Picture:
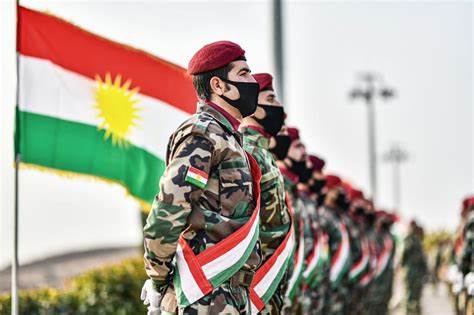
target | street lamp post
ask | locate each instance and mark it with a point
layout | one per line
(396, 155)
(372, 87)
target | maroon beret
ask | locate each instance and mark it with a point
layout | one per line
(318, 163)
(264, 80)
(214, 56)
(293, 133)
(333, 181)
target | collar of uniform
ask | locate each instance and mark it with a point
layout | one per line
(222, 116)
(256, 135)
(288, 174)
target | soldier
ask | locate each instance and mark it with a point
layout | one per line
(414, 261)
(307, 206)
(291, 159)
(316, 273)
(360, 251)
(210, 189)
(466, 261)
(366, 281)
(382, 284)
(332, 222)
(257, 130)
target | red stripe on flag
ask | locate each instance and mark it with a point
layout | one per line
(48, 37)
(256, 300)
(198, 171)
(194, 267)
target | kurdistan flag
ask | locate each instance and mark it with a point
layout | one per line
(91, 106)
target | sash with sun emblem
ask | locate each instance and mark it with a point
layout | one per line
(91, 106)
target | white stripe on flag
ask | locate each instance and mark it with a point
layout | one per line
(48, 89)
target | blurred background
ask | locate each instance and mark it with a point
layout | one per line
(423, 50)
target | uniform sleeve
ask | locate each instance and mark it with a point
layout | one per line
(167, 218)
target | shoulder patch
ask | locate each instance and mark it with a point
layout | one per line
(196, 177)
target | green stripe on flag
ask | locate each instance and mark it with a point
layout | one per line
(80, 148)
(195, 182)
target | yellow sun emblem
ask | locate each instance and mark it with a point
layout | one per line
(117, 108)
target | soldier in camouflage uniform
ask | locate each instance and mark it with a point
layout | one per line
(382, 284)
(414, 261)
(210, 210)
(358, 235)
(331, 214)
(466, 259)
(318, 285)
(257, 131)
(288, 148)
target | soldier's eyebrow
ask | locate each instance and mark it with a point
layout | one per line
(244, 69)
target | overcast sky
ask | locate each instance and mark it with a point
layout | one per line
(422, 49)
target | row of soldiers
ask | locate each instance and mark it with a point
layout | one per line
(247, 222)
(461, 271)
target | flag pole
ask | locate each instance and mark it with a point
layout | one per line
(15, 265)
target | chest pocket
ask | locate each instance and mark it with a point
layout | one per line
(274, 211)
(235, 188)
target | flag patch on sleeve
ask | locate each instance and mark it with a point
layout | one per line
(196, 177)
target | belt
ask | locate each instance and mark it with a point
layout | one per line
(242, 278)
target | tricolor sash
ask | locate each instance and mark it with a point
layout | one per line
(197, 275)
(267, 278)
(368, 276)
(339, 263)
(317, 258)
(359, 267)
(297, 274)
(384, 258)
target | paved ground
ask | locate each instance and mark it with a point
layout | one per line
(436, 301)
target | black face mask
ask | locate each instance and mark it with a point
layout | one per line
(247, 102)
(300, 169)
(342, 203)
(321, 199)
(359, 211)
(282, 146)
(273, 120)
(318, 185)
(370, 219)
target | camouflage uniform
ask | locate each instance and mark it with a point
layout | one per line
(382, 286)
(207, 141)
(291, 180)
(275, 218)
(316, 292)
(338, 293)
(414, 260)
(466, 259)
(356, 233)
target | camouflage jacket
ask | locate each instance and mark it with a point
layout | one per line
(356, 232)
(466, 262)
(207, 141)
(308, 209)
(329, 220)
(275, 218)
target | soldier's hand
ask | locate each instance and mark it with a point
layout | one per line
(469, 283)
(151, 297)
(452, 273)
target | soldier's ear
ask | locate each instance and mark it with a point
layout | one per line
(217, 86)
